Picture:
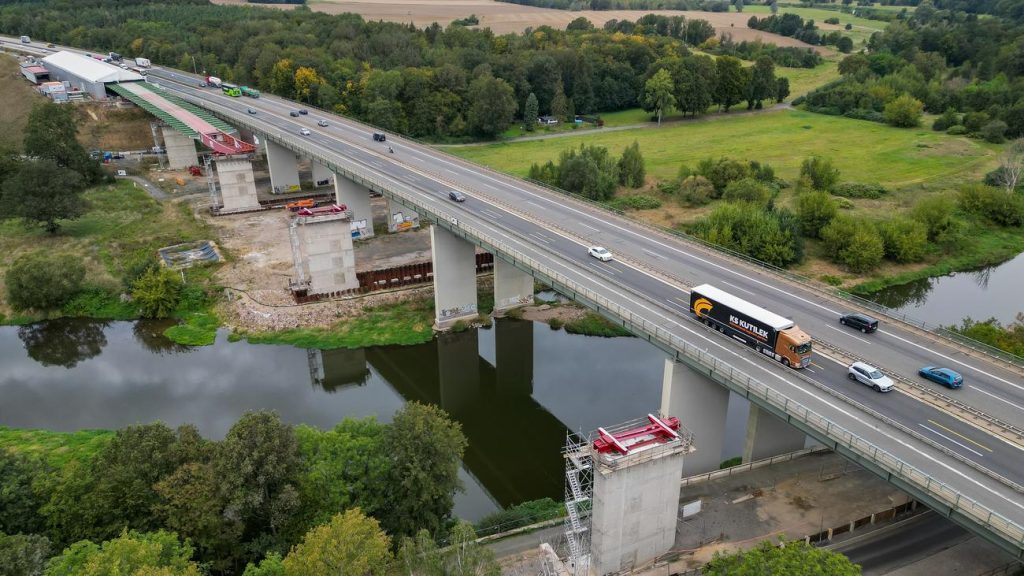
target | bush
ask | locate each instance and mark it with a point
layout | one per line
(696, 190)
(996, 205)
(863, 252)
(974, 121)
(949, 118)
(750, 191)
(957, 130)
(43, 282)
(904, 111)
(520, 515)
(631, 167)
(832, 20)
(822, 174)
(865, 114)
(157, 293)
(903, 239)
(815, 209)
(859, 190)
(937, 213)
(635, 202)
(772, 237)
(994, 131)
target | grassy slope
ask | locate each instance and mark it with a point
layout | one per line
(862, 27)
(17, 97)
(895, 157)
(57, 448)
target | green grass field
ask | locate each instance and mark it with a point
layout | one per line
(863, 151)
(862, 27)
(56, 448)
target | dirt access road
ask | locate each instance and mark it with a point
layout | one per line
(504, 18)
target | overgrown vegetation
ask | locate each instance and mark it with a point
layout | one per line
(593, 324)
(1008, 338)
(520, 515)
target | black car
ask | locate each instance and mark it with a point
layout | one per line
(303, 111)
(379, 137)
(294, 113)
(457, 196)
(861, 322)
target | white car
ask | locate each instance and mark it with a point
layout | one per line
(304, 131)
(870, 376)
(600, 253)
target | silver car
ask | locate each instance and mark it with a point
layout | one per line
(870, 376)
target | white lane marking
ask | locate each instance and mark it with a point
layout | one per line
(937, 433)
(649, 253)
(534, 203)
(999, 398)
(673, 302)
(738, 288)
(588, 226)
(539, 238)
(847, 333)
(490, 213)
(539, 235)
(607, 269)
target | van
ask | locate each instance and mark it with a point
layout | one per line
(861, 322)
(26, 40)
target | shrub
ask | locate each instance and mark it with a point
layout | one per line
(994, 131)
(556, 323)
(904, 111)
(635, 202)
(815, 209)
(721, 172)
(772, 237)
(998, 206)
(903, 239)
(821, 172)
(866, 114)
(859, 190)
(974, 121)
(832, 20)
(750, 191)
(696, 190)
(957, 130)
(520, 515)
(157, 293)
(631, 167)
(42, 282)
(937, 214)
(864, 251)
(948, 119)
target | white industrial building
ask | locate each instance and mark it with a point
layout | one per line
(87, 74)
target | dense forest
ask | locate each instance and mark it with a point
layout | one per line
(968, 68)
(705, 5)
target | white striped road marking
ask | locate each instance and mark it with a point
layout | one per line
(937, 433)
(846, 332)
(738, 288)
(649, 253)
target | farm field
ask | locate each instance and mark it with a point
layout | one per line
(896, 158)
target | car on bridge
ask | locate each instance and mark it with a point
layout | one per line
(303, 111)
(861, 322)
(600, 253)
(304, 131)
(251, 110)
(948, 378)
(321, 123)
(294, 113)
(868, 375)
(457, 196)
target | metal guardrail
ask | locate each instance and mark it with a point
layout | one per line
(830, 433)
(741, 468)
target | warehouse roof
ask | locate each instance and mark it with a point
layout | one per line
(90, 69)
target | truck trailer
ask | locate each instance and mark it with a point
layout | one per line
(142, 62)
(774, 336)
(250, 92)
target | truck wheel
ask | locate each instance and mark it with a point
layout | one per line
(785, 362)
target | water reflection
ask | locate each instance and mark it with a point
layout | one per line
(64, 342)
(150, 334)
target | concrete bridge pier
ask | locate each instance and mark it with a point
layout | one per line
(458, 370)
(181, 150)
(454, 278)
(357, 198)
(513, 357)
(700, 404)
(237, 185)
(401, 218)
(768, 436)
(327, 259)
(512, 287)
(322, 175)
(284, 168)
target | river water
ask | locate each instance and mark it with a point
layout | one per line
(516, 388)
(993, 292)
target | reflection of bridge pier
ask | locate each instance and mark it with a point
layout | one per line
(338, 368)
(498, 416)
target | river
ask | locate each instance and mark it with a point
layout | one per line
(516, 388)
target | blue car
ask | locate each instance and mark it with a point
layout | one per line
(943, 376)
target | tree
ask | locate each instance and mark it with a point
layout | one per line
(131, 553)
(658, 93)
(530, 111)
(559, 103)
(815, 210)
(272, 565)
(580, 24)
(589, 171)
(781, 88)
(770, 237)
(937, 213)
(43, 282)
(492, 106)
(425, 448)
(192, 505)
(462, 557)
(904, 240)
(307, 83)
(822, 174)
(1011, 166)
(282, 78)
(904, 111)
(23, 554)
(694, 83)
(43, 192)
(732, 82)
(51, 134)
(762, 82)
(19, 502)
(748, 190)
(351, 543)
(864, 251)
(157, 293)
(792, 559)
(631, 167)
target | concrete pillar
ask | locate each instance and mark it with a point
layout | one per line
(341, 368)
(284, 168)
(322, 175)
(512, 287)
(700, 404)
(357, 198)
(401, 218)
(237, 185)
(636, 507)
(454, 278)
(769, 436)
(181, 150)
(513, 357)
(329, 256)
(458, 370)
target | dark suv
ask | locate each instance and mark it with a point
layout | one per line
(379, 137)
(861, 322)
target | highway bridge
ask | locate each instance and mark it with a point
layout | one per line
(958, 451)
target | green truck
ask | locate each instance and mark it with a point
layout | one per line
(250, 92)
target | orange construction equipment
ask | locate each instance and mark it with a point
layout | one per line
(300, 204)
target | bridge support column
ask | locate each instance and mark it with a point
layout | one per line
(458, 369)
(237, 185)
(321, 175)
(338, 368)
(769, 436)
(700, 404)
(513, 357)
(512, 287)
(454, 278)
(181, 150)
(284, 168)
(401, 218)
(357, 198)
(327, 254)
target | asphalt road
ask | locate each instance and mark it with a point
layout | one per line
(556, 230)
(902, 544)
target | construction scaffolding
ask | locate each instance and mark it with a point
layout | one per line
(579, 486)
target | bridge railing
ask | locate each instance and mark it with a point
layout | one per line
(835, 435)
